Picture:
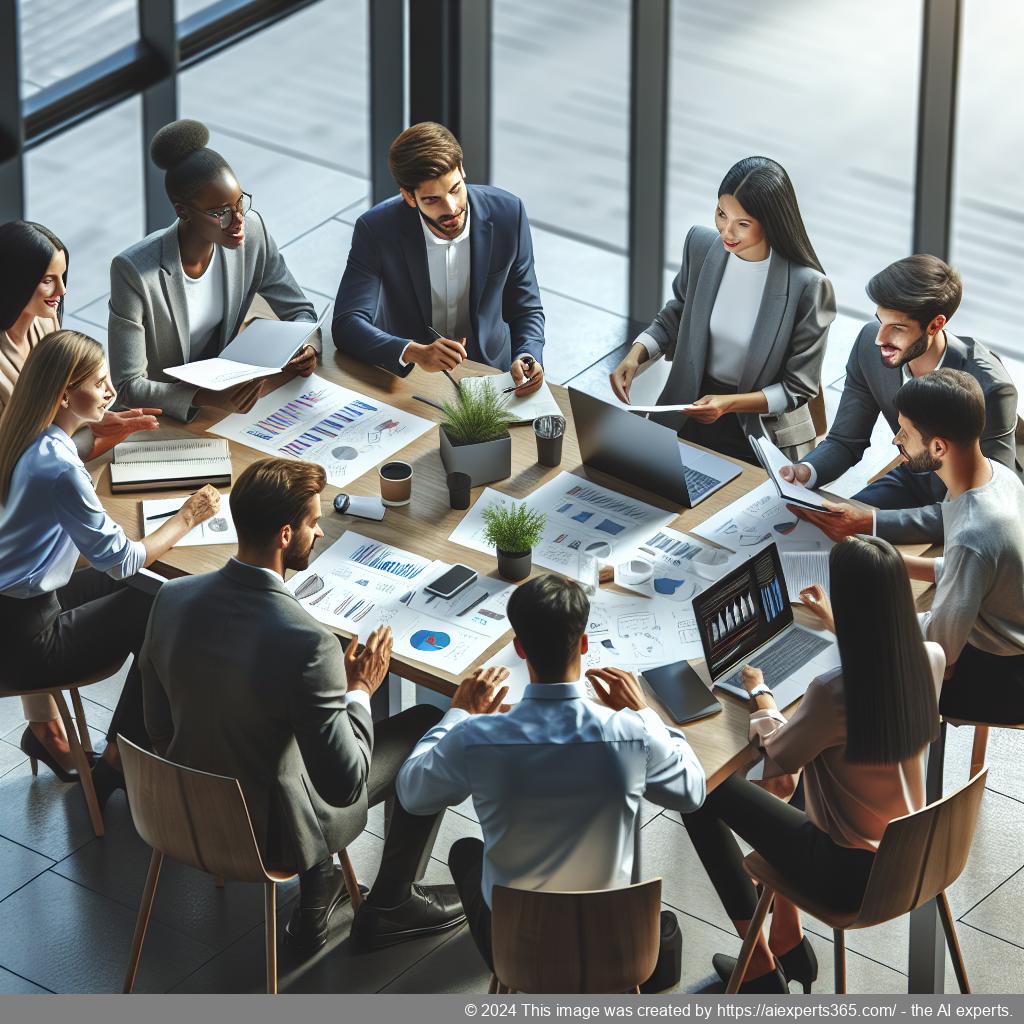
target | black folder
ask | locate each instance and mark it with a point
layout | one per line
(685, 695)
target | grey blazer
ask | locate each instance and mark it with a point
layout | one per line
(786, 349)
(238, 679)
(871, 388)
(148, 313)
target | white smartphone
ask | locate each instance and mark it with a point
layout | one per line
(359, 505)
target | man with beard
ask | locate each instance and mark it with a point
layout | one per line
(978, 612)
(441, 272)
(239, 680)
(915, 299)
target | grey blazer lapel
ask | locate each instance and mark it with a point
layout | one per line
(698, 339)
(416, 260)
(233, 270)
(768, 322)
(481, 229)
(173, 285)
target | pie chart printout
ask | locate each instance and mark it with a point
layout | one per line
(428, 640)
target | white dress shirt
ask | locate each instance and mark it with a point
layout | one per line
(51, 515)
(556, 783)
(204, 298)
(448, 263)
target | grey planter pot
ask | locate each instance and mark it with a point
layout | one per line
(513, 567)
(484, 462)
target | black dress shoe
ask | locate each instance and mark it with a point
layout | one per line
(429, 909)
(800, 964)
(307, 929)
(772, 983)
(105, 779)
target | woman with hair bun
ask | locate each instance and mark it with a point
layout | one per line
(181, 294)
(747, 323)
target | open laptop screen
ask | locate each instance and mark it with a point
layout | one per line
(742, 611)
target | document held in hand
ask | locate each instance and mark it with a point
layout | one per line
(772, 460)
(265, 347)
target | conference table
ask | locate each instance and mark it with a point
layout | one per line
(423, 526)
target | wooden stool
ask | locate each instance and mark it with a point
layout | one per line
(78, 738)
(606, 940)
(919, 857)
(201, 820)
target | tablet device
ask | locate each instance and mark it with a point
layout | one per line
(685, 695)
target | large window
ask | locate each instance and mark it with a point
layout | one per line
(827, 89)
(988, 216)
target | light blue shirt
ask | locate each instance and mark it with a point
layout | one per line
(52, 515)
(556, 783)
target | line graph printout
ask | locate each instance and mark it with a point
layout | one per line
(358, 584)
(312, 419)
(581, 517)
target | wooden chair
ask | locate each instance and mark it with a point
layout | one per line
(979, 748)
(580, 942)
(919, 857)
(201, 820)
(78, 737)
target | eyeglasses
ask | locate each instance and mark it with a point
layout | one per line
(226, 214)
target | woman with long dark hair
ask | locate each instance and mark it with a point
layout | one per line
(859, 736)
(57, 624)
(182, 293)
(33, 283)
(747, 324)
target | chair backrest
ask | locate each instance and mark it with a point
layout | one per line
(190, 816)
(922, 854)
(578, 942)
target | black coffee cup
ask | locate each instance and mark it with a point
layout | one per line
(549, 431)
(458, 490)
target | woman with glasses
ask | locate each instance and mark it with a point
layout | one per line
(183, 293)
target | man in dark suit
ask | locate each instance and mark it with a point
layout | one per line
(442, 272)
(915, 299)
(239, 680)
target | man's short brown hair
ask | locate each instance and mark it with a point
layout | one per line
(273, 493)
(920, 286)
(423, 152)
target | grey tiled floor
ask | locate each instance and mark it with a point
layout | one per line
(67, 900)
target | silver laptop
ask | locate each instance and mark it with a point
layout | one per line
(647, 454)
(746, 619)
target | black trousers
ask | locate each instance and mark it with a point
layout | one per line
(835, 875)
(985, 688)
(410, 837)
(91, 622)
(725, 435)
(466, 863)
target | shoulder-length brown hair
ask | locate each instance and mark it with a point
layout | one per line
(891, 710)
(60, 361)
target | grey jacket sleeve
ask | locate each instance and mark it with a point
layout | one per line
(801, 376)
(665, 327)
(126, 348)
(335, 737)
(850, 434)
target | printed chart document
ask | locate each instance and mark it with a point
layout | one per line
(803, 569)
(758, 518)
(581, 517)
(265, 347)
(358, 584)
(526, 409)
(310, 418)
(772, 460)
(630, 633)
(217, 530)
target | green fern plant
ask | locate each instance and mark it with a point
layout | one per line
(479, 414)
(513, 528)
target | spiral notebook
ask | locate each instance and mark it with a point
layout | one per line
(165, 465)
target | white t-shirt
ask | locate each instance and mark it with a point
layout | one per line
(204, 297)
(733, 316)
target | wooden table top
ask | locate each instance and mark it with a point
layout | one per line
(424, 525)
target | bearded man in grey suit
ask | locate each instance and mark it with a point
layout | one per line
(240, 680)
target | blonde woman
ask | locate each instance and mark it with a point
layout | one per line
(55, 623)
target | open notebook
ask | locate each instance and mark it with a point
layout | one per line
(163, 465)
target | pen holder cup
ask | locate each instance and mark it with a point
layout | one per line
(549, 431)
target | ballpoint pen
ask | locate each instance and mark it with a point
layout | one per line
(164, 515)
(528, 363)
(429, 401)
(458, 386)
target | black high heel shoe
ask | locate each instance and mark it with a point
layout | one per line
(800, 965)
(772, 983)
(36, 751)
(105, 779)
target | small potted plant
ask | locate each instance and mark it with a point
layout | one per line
(475, 437)
(514, 530)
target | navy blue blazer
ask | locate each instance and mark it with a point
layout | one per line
(383, 300)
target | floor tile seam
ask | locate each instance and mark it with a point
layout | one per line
(974, 906)
(17, 974)
(584, 302)
(181, 981)
(308, 231)
(574, 236)
(30, 849)
(856, 952)
(77, 311)
(430, 952)
(355, 202)
(276, 147)
(991, 935)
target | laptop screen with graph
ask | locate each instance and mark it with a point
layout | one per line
(742, 611)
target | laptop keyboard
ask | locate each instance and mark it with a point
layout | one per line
(697, 484)
(782, 659)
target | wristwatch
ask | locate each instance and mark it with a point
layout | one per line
(763, 688)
